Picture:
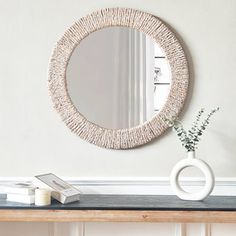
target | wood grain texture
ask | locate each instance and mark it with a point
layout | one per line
(117, 216)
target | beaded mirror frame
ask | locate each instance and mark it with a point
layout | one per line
(119, 138)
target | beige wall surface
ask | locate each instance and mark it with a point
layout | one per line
(34, 140)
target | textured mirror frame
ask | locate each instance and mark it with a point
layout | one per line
(122, 138)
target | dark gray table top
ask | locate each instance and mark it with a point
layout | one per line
(135, 202)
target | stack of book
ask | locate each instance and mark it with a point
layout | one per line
(19, 192)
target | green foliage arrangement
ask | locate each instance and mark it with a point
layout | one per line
(190, 138)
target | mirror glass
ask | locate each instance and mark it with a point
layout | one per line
(118, 77)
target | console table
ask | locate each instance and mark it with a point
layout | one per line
(125, 208)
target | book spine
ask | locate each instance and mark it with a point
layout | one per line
(3, 196)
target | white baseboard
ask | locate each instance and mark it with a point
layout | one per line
(160, 186)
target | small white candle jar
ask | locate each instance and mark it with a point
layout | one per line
(42, 197)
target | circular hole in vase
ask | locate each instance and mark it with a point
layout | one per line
(191, 172)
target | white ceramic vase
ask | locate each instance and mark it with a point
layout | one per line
(200, 164)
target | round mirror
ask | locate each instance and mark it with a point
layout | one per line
(118, 77)
(115, 75)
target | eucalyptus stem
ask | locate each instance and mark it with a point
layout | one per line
(190, 138)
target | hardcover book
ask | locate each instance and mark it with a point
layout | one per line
(19, 188)
(28, 199)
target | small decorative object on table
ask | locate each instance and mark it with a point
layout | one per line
(190, 139)
(42, 197)
(22, 192)
(60, 190)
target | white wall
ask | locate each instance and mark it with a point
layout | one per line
(34, 140)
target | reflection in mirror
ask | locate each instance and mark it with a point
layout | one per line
(118, 78)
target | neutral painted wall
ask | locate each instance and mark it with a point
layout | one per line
(34, 140)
